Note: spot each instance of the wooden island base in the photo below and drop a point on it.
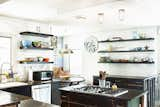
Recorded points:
(134, 98)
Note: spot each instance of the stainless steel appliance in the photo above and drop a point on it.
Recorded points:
(101, 91)
(42, 93)
(42, 75)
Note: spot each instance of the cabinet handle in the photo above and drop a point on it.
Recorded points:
(135, 85)
(41, 87)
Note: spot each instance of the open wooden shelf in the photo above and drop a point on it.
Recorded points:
(35, 62)
(36, 48)
(125, 51)
(129, 62)
(125, 40)
(28, 33)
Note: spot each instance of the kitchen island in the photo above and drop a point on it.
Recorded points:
(83, 98)
(14, 100)
(9, 99)
(33, 103)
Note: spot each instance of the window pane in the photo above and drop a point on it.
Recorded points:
(5, 50)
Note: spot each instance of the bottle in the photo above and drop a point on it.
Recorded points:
(114, 86)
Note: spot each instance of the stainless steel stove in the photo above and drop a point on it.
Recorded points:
(101, 91)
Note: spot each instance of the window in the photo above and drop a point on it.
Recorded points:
(5, 50)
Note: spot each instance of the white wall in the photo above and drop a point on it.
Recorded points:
(89, 61)
(12, 27)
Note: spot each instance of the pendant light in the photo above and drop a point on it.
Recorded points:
(121, 13)
(100, 18)
(66, 50)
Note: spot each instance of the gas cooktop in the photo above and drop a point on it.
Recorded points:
(101, 91)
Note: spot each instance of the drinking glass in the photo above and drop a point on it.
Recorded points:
(102, 83)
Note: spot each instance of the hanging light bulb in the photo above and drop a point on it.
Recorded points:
(66, 50)
(101, 18)
(121, 13)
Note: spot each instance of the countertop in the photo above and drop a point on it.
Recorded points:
(70, 80)
(130, 77)
(7, 98)
(33, 103)
(131, 94)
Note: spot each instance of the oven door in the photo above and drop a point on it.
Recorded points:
(42, 93)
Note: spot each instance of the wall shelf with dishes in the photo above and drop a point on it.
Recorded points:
(37, 41)
(132, 60)
(35, 60)
(28, 44)
(40, 43)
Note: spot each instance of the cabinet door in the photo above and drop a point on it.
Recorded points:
(42, 93)
(22, 90)
(56, 93)
(64, 104)
(76, 105)
(45, 93)
(35, 93)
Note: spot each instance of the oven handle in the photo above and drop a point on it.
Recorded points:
(42, 87)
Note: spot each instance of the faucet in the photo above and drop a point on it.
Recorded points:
(1, 69)
(11, 74)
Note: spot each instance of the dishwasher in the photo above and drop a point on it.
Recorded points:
(42, 93)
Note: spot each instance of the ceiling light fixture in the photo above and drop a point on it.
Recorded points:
(121, 13)
(80, 17)
(101, 18)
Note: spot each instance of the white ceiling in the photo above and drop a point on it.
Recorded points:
(63, 12)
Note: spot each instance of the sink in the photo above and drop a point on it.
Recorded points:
(12, 84)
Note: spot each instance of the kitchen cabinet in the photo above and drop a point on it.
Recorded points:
(72, 98)
(35, 27)
(42, 93)
(87, 100)
(56, 94)
(22, 90)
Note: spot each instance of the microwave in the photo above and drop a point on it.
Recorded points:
(42, 75)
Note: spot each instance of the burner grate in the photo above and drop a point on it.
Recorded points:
(101, 91)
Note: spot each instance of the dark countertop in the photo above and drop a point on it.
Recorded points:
(7, 98)
(132, 94)
(33, 103)
(129, 77)
(127, 96)
(39, 82)
(70, 80)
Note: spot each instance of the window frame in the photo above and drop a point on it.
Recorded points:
(10, 38)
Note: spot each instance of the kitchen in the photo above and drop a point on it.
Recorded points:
(84, 53)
